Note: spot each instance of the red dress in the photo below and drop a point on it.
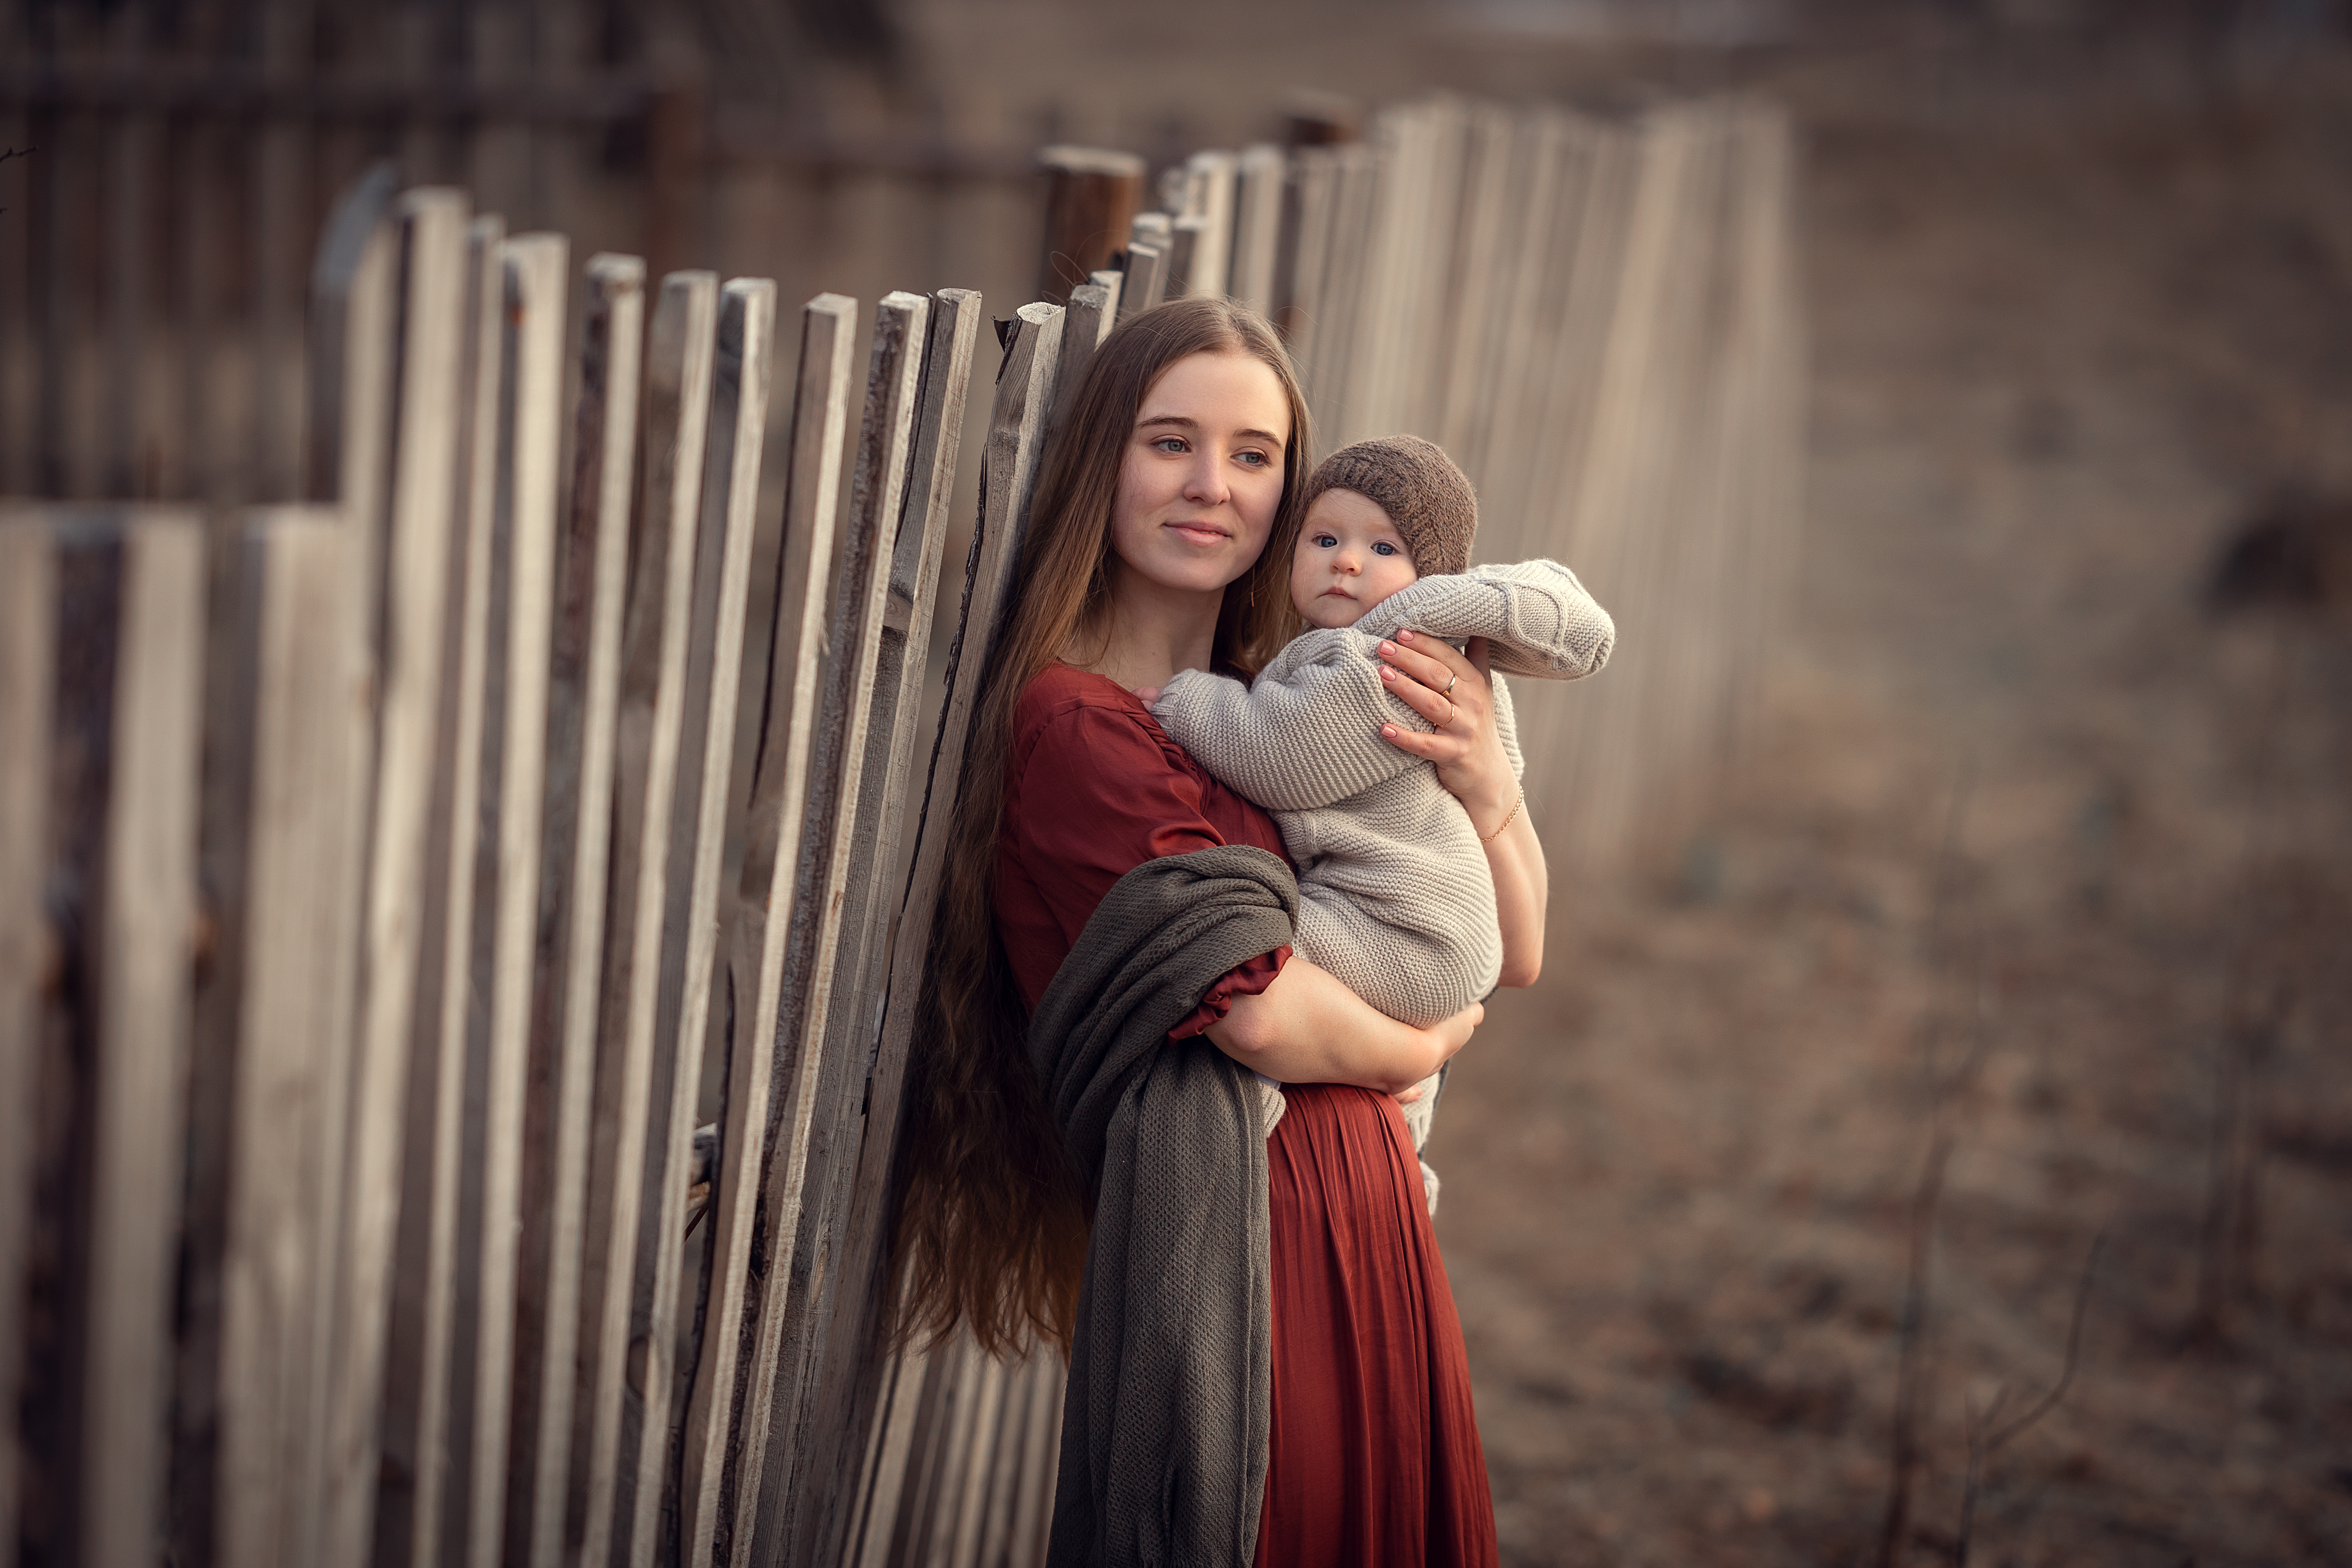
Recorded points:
(1374, 1457)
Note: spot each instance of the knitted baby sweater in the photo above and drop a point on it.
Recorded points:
(1395, 896)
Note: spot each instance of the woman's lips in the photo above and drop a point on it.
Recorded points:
(1198, 533)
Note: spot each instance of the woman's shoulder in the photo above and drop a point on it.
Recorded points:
(1060, 687)
(1066, 711)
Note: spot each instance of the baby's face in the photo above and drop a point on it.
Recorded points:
(1349, 557)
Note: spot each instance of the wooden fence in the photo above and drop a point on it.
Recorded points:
(392, 882)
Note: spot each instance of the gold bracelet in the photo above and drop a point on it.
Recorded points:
(1490, 837)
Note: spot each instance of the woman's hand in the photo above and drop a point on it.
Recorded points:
(1307, 1027)
(1447, 1036)
(1451, 690)
(1468, 749)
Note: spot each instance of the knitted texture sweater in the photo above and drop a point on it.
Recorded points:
(1165, 1422)
(1394, 892)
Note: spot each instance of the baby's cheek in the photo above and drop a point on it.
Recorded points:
(1303, 589)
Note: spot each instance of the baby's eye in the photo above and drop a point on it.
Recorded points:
(1384, 548)
(1324, 541)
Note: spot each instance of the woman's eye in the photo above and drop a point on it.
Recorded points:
(1170, 443)
(1255, 459)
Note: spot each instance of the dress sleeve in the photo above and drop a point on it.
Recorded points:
(1098, 796)
(1242, 980)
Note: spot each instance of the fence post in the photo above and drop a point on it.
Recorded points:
(1091, 199)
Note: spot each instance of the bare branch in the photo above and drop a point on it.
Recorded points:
(2049, 1401)
(1982, 1450)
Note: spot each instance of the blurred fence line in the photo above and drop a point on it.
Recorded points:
(183, 159)
(395, 878)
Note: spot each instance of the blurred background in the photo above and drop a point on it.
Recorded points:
(1979, 1037)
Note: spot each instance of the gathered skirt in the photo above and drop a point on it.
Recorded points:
(1374, 1454)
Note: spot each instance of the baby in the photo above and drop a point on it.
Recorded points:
(1395, 897)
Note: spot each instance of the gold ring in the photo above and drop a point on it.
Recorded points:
(1449, 685)
(1450, 711)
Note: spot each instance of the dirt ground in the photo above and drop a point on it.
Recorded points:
(2039, 878)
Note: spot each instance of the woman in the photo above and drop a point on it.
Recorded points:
(1160, 540)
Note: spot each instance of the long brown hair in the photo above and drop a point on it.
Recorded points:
(992, 1224)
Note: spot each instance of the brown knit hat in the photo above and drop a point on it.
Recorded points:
(1426, 497)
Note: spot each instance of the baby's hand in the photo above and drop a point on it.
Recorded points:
(1407, 1096)
(1148, 695)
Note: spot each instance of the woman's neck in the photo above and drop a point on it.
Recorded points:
(1148, 632)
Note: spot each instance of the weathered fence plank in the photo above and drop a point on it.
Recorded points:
(355, 364)
(533, 276)
(1110, 280)
(1187, 255)
(1209, 196)
(650, 731)
(27, 656)
(1086, 321)
(139, 947)
(431, 1248)
(1309, 208)
(1356, 178)
(730, 495)
(301, 923)
(1260, 177)
(591, 588)
(1146, 280)
(415, 568)
(885, 1471)
(1600, 210)
(1464, 395)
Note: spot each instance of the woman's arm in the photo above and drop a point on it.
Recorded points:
(1522, 890)
(1467, 750)
(1307, 1027)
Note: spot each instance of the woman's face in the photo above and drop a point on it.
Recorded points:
(1202, 475)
